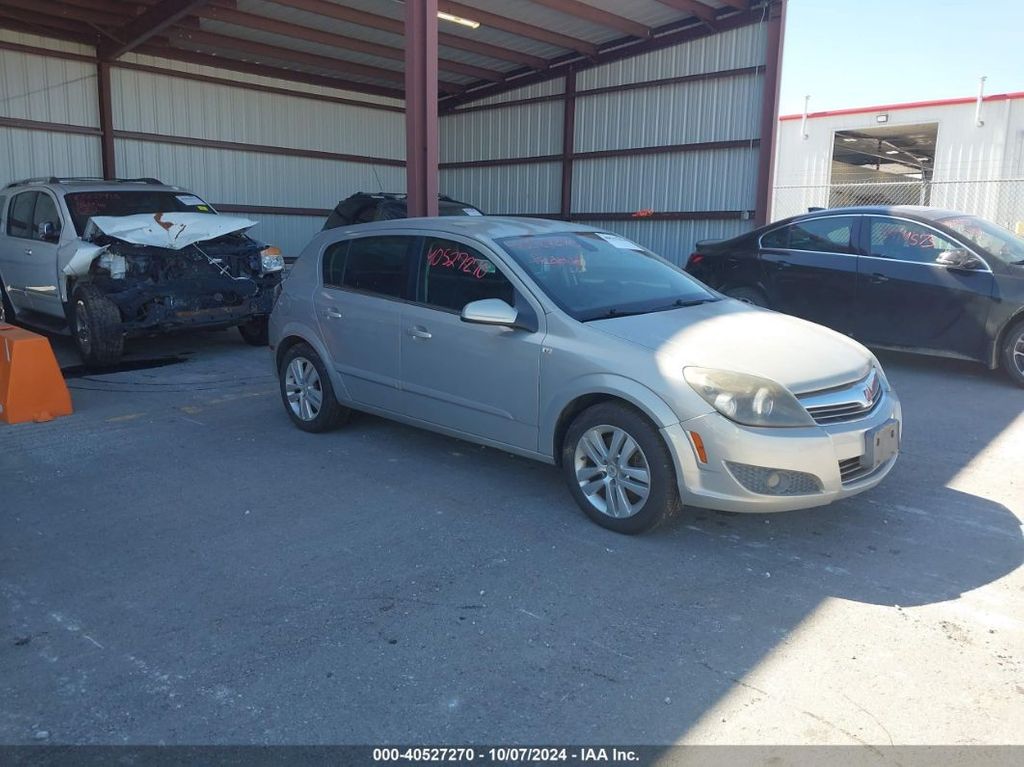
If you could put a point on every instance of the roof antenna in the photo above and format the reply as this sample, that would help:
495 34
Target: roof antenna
377 176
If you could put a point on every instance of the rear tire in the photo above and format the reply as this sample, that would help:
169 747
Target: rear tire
619 469
307 393
1013 352
255 332
96 326
748 295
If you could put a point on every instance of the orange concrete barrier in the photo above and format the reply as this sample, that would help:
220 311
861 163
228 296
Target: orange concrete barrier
31 385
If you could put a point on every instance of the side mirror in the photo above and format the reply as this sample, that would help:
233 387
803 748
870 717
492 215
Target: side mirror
960 259
490 311
48 232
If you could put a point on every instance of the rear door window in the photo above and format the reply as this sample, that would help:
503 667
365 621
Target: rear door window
907 241
453 275
833 234
376 265
19 221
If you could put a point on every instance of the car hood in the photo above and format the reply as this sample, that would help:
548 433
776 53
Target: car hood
730 335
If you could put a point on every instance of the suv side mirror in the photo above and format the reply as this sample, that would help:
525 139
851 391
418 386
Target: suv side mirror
960 259
490 311
48 232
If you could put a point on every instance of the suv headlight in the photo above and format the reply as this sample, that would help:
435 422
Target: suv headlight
271 260
746 399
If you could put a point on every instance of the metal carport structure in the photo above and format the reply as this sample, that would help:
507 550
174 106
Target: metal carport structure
654 117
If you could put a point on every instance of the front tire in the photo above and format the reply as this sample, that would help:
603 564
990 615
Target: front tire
619 469
1013 352
307 393
748 295
96 326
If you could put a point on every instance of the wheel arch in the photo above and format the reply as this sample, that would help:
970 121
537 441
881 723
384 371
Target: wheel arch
602 389
996 351
295 333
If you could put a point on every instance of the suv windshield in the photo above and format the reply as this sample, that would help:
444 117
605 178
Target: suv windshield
999 242
85 205
593 275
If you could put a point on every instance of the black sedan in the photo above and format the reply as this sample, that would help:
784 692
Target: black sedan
909 278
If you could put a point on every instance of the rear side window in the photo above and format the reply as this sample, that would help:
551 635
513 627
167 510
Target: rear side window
19 220
907 241
3 205
376 265
454 275
823 235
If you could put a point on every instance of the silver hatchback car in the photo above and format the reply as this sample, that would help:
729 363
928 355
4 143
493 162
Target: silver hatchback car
577 347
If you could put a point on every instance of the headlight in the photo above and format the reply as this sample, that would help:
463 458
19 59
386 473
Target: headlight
747 399
271 260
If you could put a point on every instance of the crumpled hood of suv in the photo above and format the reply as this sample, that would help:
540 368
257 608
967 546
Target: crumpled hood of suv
174 231
730 335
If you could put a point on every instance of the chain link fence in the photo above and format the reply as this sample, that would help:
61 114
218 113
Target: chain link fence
999 201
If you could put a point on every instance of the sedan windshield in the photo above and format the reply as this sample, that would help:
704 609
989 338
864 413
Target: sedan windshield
594 275
1001 243
85 205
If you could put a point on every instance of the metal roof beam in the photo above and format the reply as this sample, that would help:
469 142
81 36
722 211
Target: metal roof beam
84 16
386 24
516 27
597 16
300 32
695 7
266 70
20 20
151 22
251 47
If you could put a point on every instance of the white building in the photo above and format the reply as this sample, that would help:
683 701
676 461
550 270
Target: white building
960 154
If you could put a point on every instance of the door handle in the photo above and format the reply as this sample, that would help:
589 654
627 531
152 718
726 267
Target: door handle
418 332
783 264
332 314
877 278
28 251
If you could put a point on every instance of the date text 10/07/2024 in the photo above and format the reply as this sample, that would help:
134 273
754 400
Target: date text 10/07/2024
504 755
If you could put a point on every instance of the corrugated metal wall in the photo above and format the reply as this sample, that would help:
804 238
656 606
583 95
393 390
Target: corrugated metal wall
714 94
193 117
47 90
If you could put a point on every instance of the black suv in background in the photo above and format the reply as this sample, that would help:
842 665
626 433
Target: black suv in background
363 207
910 278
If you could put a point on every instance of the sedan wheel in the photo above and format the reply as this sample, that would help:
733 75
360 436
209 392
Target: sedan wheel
612 471
307 393
619 468
304 391
1013 352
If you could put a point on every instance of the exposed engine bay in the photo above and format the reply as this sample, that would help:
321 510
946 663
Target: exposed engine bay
169 270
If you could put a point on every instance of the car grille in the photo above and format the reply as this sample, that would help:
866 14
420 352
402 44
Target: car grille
845 403
851 469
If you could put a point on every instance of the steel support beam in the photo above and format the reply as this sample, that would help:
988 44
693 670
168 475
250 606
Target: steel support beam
770 111
597 16
516 27
568 142
700 10
421 107
395 26
140 29
106 120
342 42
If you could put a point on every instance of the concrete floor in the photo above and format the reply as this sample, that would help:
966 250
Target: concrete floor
178 564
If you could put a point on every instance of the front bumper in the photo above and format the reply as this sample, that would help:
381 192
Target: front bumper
814 450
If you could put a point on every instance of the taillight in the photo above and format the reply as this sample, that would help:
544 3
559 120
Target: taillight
695 258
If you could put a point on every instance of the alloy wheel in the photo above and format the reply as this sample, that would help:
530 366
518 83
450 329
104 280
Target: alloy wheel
612 471
1018 354
303 389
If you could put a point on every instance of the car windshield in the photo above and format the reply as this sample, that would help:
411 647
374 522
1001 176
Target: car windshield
1001 243
85 205
594 275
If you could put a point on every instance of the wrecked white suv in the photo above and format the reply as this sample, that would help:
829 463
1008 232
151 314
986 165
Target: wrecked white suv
109 260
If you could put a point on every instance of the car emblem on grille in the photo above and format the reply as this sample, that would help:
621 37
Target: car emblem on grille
871 389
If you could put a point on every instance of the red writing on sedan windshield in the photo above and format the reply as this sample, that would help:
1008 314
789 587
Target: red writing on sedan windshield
459 260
